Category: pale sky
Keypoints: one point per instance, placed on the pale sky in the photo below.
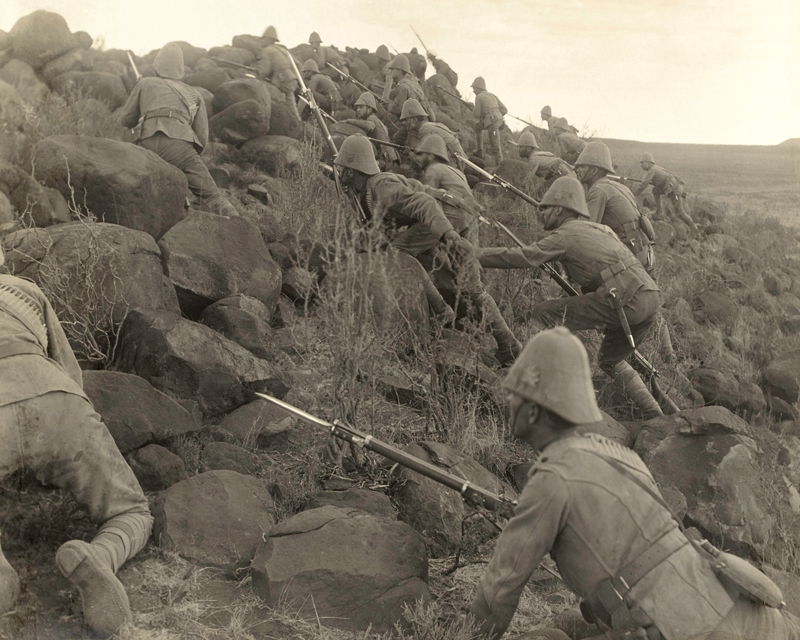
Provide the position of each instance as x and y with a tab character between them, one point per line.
704	71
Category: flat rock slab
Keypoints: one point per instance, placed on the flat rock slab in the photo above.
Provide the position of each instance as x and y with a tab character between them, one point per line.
135	412
156	468
783	376
214	518
243	319
219	456
258	423
349	569
371	502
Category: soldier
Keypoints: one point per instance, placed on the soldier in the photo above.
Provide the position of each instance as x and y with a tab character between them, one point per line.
618	291
382	53
48	426
275	66
432	159
544	164
407	86
391	201
596	508
611	203
569	145
444	69
324	55
417	63
170	120
416	126
547	115
325	91
369	122
489	111
664	184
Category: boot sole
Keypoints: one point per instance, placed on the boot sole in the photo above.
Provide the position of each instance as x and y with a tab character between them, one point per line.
105	603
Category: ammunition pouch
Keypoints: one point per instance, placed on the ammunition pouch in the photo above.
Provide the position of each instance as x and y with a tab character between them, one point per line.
647	227
608	278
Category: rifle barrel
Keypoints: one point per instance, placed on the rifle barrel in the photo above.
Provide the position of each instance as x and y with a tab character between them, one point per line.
530	124
133	64
387	144
498	180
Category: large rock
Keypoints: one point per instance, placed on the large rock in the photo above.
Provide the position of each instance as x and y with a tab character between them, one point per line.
254	44
712	307
706	454
191	361
96	273
211	79
117	182
258	423
214	518
371	502
244	320
104	86
156	468
20	74
191	54
210	257
74	60
344	568
219	456
233	54
433	509
783	376
283	122
240	122
240	90
12	109
274	154
135	412
36	204
39	37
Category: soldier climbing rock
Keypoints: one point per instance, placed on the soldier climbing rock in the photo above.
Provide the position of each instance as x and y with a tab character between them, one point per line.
489	111
665	185
569	144
324	56
274	65
325	91
406	86
391	202
444	69
48	426
416	126
543	164
170	120
616	285
547	115
368	121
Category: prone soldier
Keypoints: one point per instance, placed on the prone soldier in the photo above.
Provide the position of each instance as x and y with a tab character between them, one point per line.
489	111
48	426
665	184
595	506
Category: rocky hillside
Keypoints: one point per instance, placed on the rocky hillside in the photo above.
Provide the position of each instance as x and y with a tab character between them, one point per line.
264	528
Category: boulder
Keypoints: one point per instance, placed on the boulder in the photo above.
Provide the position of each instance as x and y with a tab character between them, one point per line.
209	257
156	468
782	376
214	518
115	181
100	272
776	282
39	37
191	54
240	90
258	423
781	408
571	622
218	456
283	121
233	54
274	154
101	85
610	428
717	242
717	387
371	502
343	568
12	109
24	79
36	204
433	509
706	454
243	319
665	233
83	39
210	79
191	361
74	60
790	326
711	307
253	44
208	100
135	412
240	122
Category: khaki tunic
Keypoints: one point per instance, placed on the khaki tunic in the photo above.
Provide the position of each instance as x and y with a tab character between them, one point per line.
489	110
612	204
409	87
662	180
452	143
325	86
274	64
549	166
570	147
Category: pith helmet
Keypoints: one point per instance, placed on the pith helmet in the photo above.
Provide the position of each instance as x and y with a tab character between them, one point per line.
271	32
169	62
527	139
382	52
411	109
479	83
568	193
553	371
356	152
546	110
400	62
435	145
314	38
310	65
596	154
647	157
366	99
562	123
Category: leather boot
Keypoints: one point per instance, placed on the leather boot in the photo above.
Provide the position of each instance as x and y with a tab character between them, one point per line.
508	347
442	311
9	585
637	390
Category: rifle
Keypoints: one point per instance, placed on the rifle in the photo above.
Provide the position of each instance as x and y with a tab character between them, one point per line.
530	124
612	176
450	93
133	64
500	181
363	87
469	491
389	144
428	53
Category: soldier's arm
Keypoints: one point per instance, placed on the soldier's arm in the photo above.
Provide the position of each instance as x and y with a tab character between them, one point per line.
432	178
502	107
528	536
596	202
200	124
477	110
550	248
130	112
415	204
647	180
366	125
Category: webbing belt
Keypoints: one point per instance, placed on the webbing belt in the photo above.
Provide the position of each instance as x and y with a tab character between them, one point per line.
20	348
166	113
609	273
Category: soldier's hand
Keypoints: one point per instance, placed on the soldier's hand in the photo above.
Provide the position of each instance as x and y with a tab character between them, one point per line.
459	249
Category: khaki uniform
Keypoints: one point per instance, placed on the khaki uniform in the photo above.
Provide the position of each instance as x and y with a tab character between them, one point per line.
442	176
443	68
170	120
570	146
666	184
274	65
595	521
326	92
48	425
408	87
489	111
612	204
325	55
595	258
418	64
551	123
374	128
452	143
549	166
